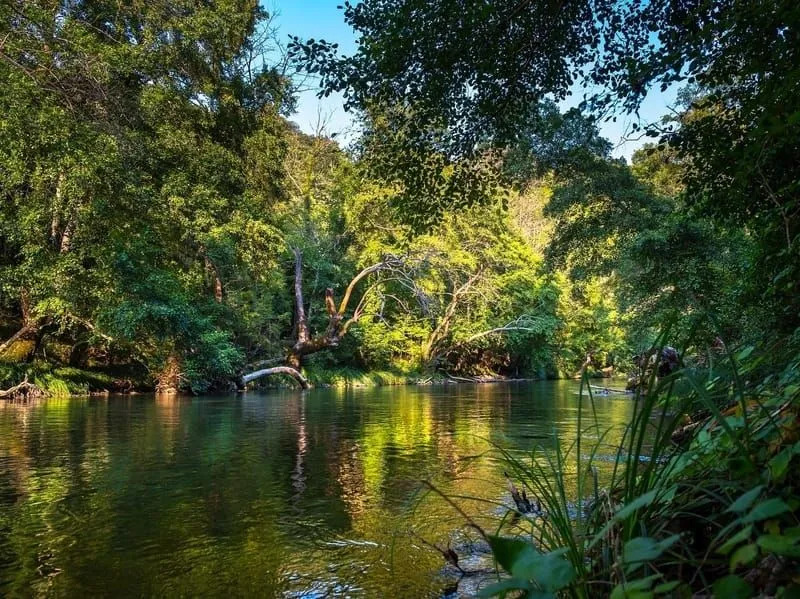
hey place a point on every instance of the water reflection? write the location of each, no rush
(276, 494)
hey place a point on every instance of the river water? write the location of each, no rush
(277, 494)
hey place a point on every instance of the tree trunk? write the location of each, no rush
(79, 354)
(24, 334)
(294, 360)
(169, 379)
(295, 374)
(29, 333)
(213, 272)
(431, 351)
(66, 236)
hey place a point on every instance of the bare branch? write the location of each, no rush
(514, 325)
(389, 261)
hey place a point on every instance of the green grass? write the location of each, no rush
(351, 377)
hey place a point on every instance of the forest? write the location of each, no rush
(164, 225)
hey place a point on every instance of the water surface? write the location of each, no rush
(279, 494)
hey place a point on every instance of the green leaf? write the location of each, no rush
(640, 502)
(666, 587)
(635, 589)
(767, 509)
(641, 549)
(782, 545)
(793, 532)
(780, 463)
(746, 500)
(740, 536)
(502, 587)
(550, 570)
(511, 552)
(732, 587)
(743, 556)
(645, 549)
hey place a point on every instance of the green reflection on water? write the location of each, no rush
(258, 495)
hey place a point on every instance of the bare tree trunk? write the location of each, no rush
(213, 272)
(299, 307)
(295, 374)
(66, 236)
(430, 351)
(337, 325)
(55, 223)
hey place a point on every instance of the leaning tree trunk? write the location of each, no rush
(29, 334)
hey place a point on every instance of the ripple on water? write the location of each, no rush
(279, 494)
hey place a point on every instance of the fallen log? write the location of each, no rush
(288, 370)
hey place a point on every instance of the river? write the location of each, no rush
(275, 494)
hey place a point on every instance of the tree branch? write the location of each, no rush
(503, 329)
(295, 374)
(387, 262)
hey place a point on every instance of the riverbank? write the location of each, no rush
(66, 381)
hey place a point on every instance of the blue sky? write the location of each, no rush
(320, 19)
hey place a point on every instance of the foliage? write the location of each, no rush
(719, 513)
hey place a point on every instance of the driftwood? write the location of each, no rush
(23, 390)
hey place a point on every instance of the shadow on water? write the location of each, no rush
(284, 493)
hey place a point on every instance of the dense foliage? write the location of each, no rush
(154, 195)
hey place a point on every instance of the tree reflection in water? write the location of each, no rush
(262, 493)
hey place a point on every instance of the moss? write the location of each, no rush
(17, 352)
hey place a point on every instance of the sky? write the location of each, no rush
(320, 19)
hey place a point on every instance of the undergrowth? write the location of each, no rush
(61, 381)
(702, 501)
(352, 377)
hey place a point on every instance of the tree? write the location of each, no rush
(125, 135)
(470, 291)
(338, 323)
